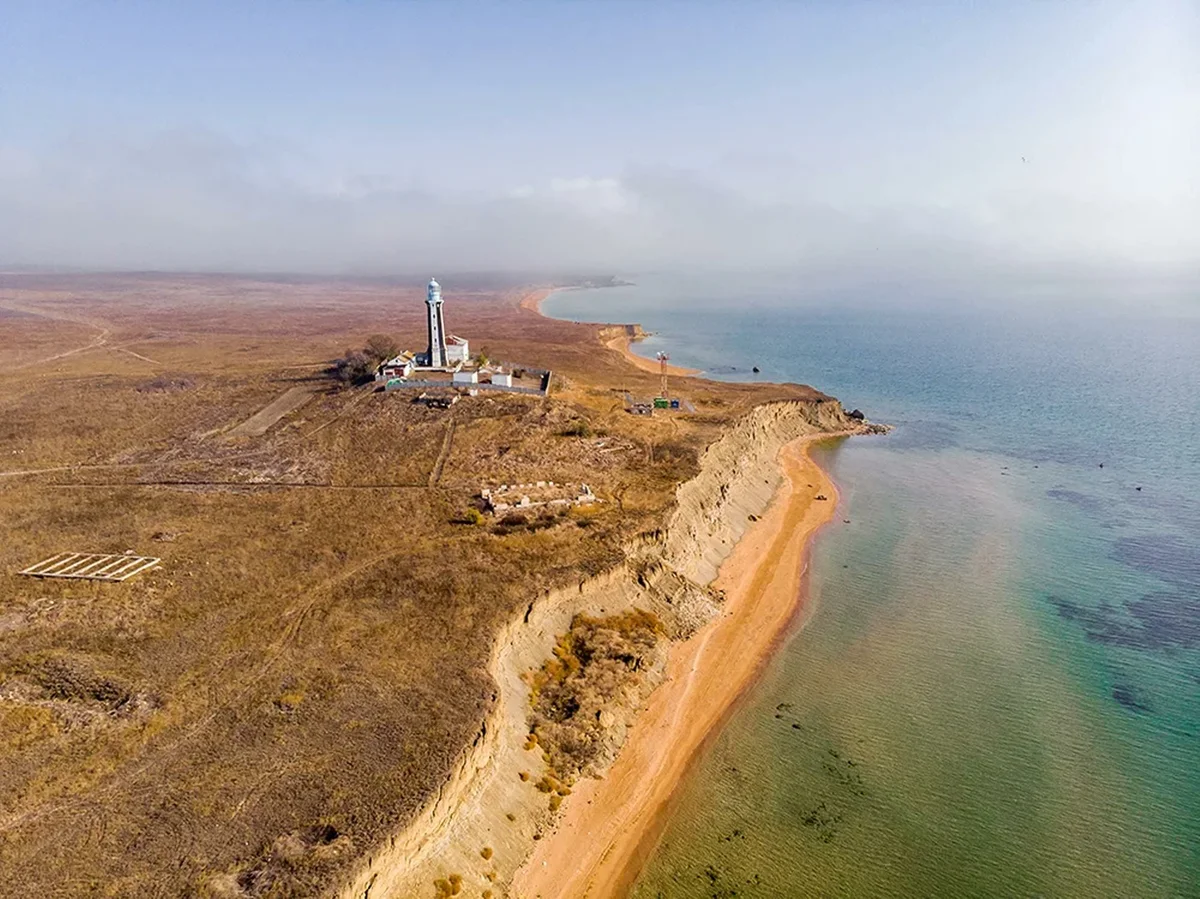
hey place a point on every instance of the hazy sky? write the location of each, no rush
(401, 137)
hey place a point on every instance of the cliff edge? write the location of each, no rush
(482, 824)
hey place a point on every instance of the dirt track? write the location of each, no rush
(260, 422)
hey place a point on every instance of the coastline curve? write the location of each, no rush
(726, 569)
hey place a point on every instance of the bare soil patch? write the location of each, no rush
(261, 421)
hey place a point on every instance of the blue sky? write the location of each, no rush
(610, 135)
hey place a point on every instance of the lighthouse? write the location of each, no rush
(435, 356)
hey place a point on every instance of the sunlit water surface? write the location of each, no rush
(996, 688)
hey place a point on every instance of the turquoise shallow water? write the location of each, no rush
(996, 690)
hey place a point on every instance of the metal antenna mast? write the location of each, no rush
(662, 368)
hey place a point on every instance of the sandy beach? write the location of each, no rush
(532, 301)
(621, 342)
(610, 826)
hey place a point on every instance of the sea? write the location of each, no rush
(993, 685)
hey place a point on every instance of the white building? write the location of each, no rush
(466, 377)
(457, 350)
(502, 378)
(399, 367)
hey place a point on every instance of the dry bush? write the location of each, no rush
(381, 347)
(573, 696)
(168, 383)
(578, 428)
(354, 367)
(531, 521)
(295, 864)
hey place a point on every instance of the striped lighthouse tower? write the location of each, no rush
(435, 356)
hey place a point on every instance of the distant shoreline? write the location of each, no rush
(615, 337)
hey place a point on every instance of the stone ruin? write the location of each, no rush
(508, 497)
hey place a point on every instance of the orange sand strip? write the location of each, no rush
(622, 344)
(532, 302)
(610, 826)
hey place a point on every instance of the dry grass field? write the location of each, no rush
(301, 672)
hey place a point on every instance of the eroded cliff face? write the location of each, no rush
(481, 825)
(738, 476)
(628, 332)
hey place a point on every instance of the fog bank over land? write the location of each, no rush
(869, 142)
(199, 202)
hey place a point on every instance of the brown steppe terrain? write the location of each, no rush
(300, 675)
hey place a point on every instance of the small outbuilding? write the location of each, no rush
(458, 350)
(399, 367)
